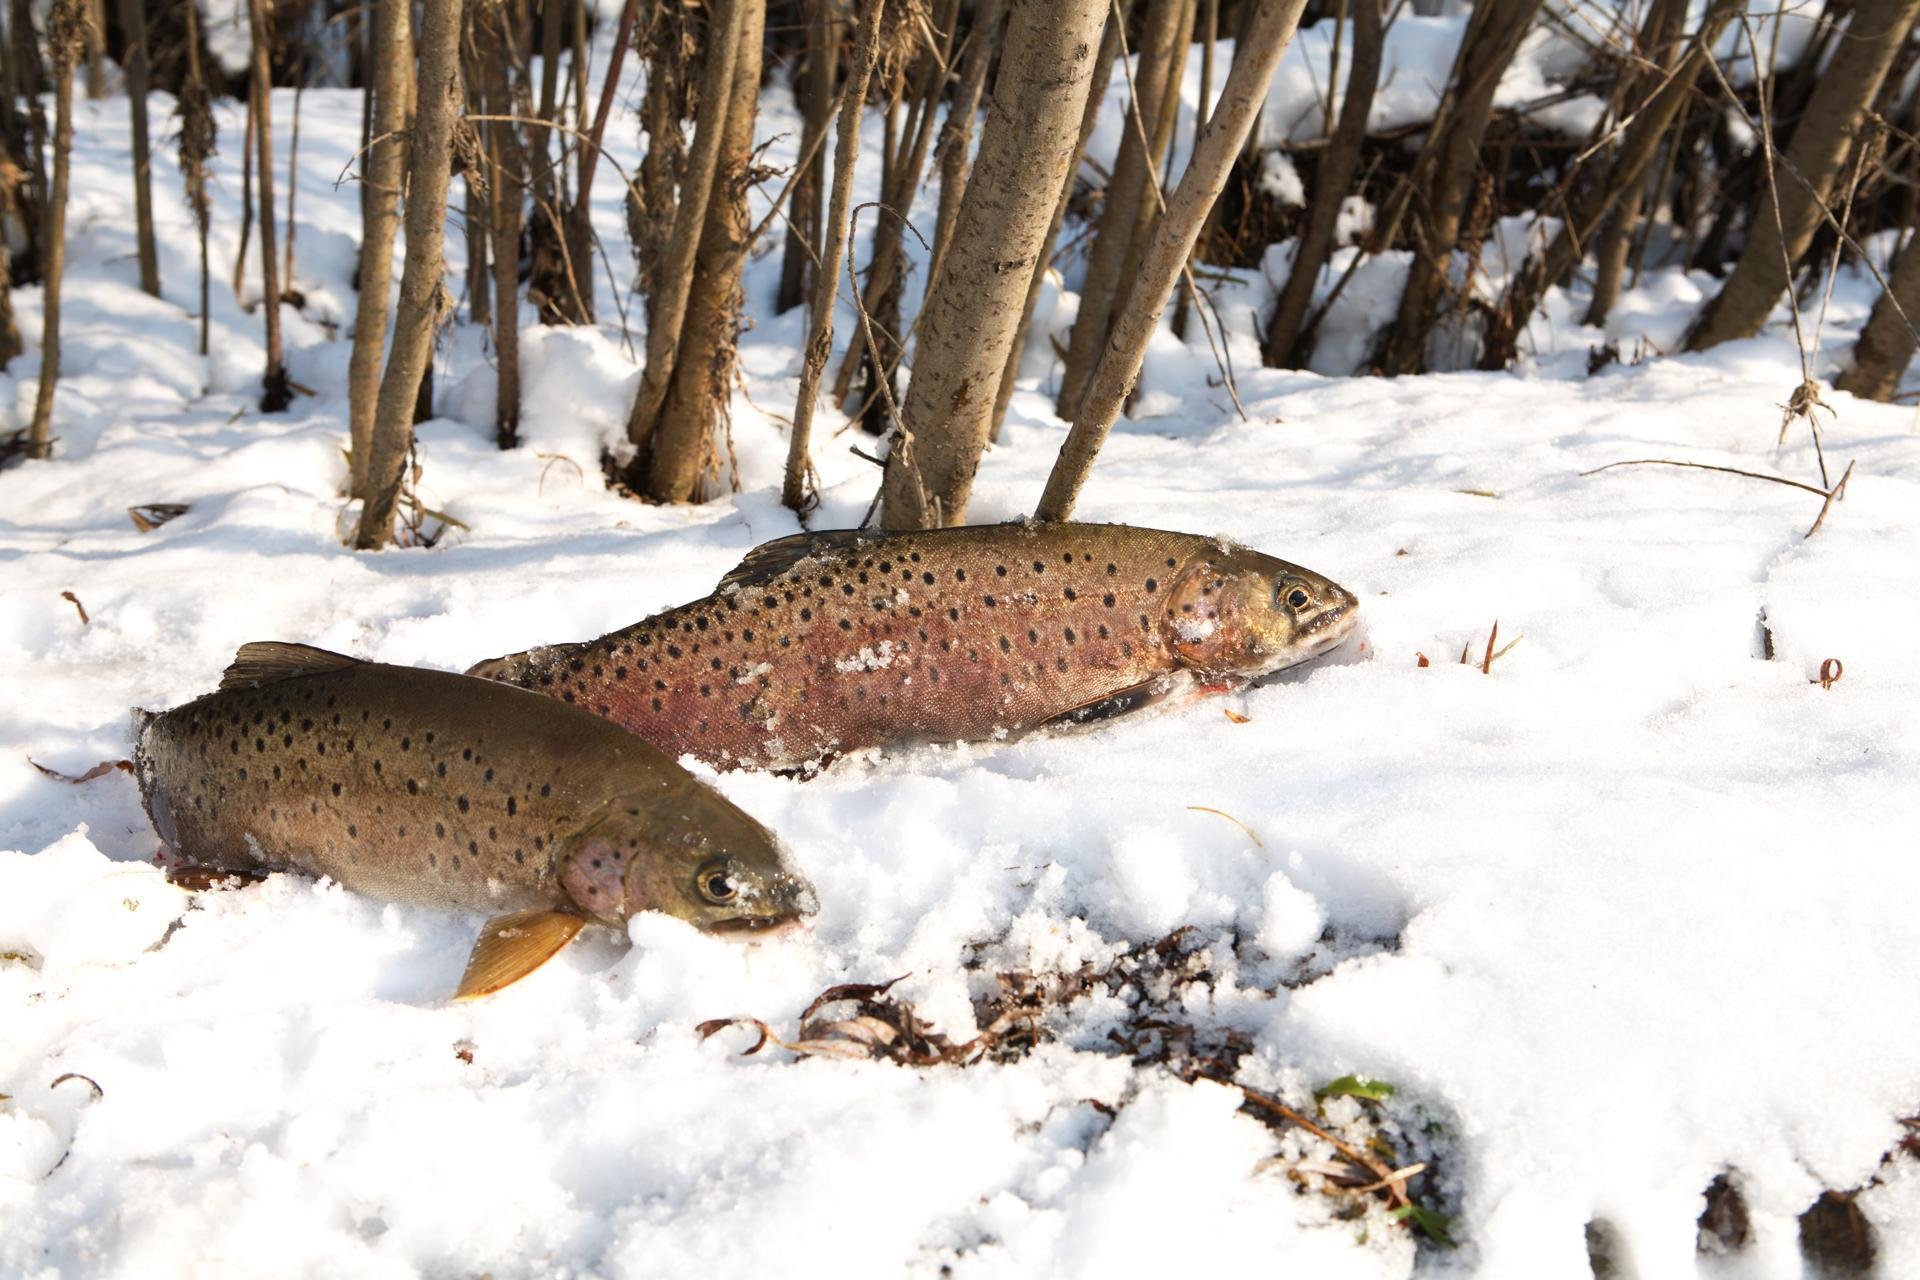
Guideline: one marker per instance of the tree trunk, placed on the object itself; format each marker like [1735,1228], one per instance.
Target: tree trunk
[1270,31]
[430,164]
[972,309]
[1886,345]
[506,190]
[1659,42]
[133,22]
[681,443]
[1105,285]
[673,277]
[1444,179]
[1775,245]
[805,213]
[956,135]
[479,273]
[1634,154]
[1333,180]
[95,34]
[793,490]
[385,171]
[66,25]
[197,139]
[886,273]
[1102,73]
[275,393]
[1209,34]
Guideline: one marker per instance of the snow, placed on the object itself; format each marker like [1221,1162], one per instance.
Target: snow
[1629,911]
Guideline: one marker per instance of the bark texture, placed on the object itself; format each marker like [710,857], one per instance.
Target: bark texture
[1333,181]
[1886,345]
[430,163]
[682,441]
[1818,150]
[275,394]
[506,190]
[967,323]
[1270,31]
[806,214]
[793,489]
[672,283]
[1102,72]
[1105,285]
[385,171]
[133,24]
[66,26]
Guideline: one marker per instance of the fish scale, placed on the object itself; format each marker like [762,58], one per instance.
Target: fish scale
[429,787]
[825,643]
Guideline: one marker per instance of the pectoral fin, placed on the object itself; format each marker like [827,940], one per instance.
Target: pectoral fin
[512,946]
[1118,703]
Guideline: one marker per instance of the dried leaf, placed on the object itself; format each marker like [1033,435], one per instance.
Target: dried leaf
[104,767]
[75,600]
[149,516]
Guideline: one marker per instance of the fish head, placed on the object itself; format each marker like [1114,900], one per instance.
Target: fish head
[689,853]
[1235,613]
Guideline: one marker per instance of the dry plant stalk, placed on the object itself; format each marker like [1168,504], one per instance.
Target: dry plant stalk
[1270,32]
[197,146]
[385,171]
[826,272]
[968,320]
[430,164]
[275,393]
[66,36]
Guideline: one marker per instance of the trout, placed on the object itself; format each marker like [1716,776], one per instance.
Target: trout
[824,643]
[429,787]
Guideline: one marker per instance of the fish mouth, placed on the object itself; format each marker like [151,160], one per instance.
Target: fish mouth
[1331,627]
[756,928]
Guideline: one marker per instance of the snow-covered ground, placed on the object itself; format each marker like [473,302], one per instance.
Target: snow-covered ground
[1632,911]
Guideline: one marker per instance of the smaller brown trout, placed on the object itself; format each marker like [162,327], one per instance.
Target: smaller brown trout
[429,787]
[824,643]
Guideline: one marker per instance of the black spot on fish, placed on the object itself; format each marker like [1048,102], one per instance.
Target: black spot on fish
[336,788]
[673,651]
[990,601]
[413,788]
[1066,557]
[462,804]
[1000,569]
[656,704]
[1152,585]
[1069,634]
[466,753]
[846,588]
[698,622]
[1107,600]
[959,575]
[1060,664]
[567,696]
[1039,567]
[845,625]
[1071,594]
[1170,562]
[353,831]
[1103,631]
[1005,647]
[513,806]
[440,829]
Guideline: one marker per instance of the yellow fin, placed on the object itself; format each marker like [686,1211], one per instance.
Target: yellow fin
[512,946]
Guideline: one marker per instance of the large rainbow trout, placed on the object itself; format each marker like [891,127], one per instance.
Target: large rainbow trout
[429,787]
[824,643]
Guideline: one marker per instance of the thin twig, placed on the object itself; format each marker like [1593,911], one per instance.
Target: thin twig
[1839,493]
[1706,466]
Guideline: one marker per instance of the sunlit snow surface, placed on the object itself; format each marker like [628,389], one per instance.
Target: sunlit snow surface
[1635,909]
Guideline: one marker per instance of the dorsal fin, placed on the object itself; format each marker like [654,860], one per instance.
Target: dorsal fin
[770,559]
[266,661]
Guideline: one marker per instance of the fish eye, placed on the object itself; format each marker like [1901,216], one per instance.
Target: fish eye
[1298,598]
[717,886]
